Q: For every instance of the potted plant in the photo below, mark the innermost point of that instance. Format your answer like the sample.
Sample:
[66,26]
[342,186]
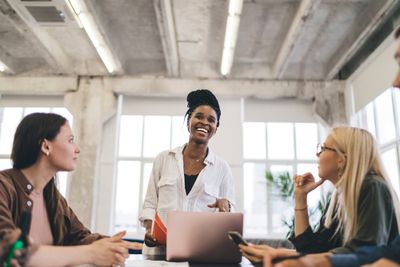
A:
[283,184]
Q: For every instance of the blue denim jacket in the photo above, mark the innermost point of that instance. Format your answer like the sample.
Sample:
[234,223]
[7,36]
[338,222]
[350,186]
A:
[368,254]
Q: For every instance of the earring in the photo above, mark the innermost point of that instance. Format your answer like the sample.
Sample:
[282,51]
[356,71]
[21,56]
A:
[340,171]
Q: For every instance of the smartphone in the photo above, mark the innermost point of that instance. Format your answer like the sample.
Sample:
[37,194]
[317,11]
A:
[237,238]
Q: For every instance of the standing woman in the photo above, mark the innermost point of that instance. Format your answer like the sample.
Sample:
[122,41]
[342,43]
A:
[44,145]
[190,177]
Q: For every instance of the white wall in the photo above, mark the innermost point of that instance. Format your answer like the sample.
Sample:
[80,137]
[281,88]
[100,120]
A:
[282,110]
[375,75]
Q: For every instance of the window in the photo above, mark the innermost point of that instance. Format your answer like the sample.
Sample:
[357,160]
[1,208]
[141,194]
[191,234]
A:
[10,118]
[277,147]
[385,117]
[141,139]
[382,118]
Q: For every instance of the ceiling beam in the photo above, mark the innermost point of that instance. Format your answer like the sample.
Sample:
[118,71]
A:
[9,62]
[306,8]
[55,50]
[351,46]
[26,31]
[171,87]
[166,26]
[263,89]
[48,85]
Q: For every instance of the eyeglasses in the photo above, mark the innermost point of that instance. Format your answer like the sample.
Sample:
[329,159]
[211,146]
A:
[321,148]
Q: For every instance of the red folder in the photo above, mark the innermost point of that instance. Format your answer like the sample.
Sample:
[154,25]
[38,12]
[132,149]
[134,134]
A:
[160,231]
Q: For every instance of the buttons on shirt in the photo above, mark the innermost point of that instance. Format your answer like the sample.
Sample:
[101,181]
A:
[29,186]
[29,203]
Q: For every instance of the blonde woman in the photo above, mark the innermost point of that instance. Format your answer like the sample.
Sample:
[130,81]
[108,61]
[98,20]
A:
[363,210]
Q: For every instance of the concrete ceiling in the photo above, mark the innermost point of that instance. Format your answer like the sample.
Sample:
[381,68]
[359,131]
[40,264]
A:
[272,44]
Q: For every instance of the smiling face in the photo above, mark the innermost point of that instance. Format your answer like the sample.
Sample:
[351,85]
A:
[330,162]
[63,151]
[202,124]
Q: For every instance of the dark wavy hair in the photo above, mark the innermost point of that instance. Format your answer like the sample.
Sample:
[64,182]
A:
[397,33]
[202,97]
[28,138]
[30,133]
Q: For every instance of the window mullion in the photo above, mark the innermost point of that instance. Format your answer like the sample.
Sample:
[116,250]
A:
[140,196]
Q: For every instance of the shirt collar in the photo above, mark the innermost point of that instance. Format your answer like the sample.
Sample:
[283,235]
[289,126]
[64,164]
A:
[22,181]
[209,160]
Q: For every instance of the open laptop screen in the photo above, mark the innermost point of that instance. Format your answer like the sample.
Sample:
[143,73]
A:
[202,236]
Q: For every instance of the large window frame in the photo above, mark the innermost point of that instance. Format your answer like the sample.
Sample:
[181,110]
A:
[143,161]
[270,230]
[54,106]
[141,107]
[363,118]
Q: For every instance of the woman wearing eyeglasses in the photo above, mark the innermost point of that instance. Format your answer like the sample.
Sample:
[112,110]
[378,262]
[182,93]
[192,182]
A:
[363,210]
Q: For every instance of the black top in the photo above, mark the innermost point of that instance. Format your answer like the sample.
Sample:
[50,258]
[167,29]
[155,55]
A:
[377,224]
[189,182]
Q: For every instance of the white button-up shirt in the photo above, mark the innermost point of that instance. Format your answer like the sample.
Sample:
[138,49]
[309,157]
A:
[166,189]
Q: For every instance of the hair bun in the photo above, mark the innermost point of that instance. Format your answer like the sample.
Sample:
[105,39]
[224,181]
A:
[202,97]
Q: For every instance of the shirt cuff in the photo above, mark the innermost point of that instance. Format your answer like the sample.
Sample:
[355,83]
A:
[147,214]
[302,239]
[349,260]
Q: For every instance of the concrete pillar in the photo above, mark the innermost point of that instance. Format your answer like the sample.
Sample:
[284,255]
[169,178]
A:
[330,105]
[90,106]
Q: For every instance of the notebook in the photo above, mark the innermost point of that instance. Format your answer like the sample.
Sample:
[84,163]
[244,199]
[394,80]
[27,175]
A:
[159,231]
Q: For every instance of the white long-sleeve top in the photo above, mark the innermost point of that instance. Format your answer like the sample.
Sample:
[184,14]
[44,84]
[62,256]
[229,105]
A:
[166,189]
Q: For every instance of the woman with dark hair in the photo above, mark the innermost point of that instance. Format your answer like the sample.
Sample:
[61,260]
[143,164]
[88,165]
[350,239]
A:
[43,145]
[190,177]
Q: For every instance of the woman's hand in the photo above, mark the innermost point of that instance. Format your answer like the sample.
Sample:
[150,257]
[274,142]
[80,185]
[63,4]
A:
[304,184]
[383,263]
[109,251]
[222,205]
[20,256]
[312,260]
[260,253]
[149,240]
[133,245]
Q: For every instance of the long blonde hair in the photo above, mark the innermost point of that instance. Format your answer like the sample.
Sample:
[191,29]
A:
[361,155]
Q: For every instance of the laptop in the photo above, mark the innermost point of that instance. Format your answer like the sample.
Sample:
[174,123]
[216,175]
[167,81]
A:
[201,237]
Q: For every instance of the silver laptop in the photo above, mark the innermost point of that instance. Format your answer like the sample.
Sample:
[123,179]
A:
[202,237]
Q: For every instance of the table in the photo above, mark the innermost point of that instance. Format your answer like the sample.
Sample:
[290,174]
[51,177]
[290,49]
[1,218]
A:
[155,261]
